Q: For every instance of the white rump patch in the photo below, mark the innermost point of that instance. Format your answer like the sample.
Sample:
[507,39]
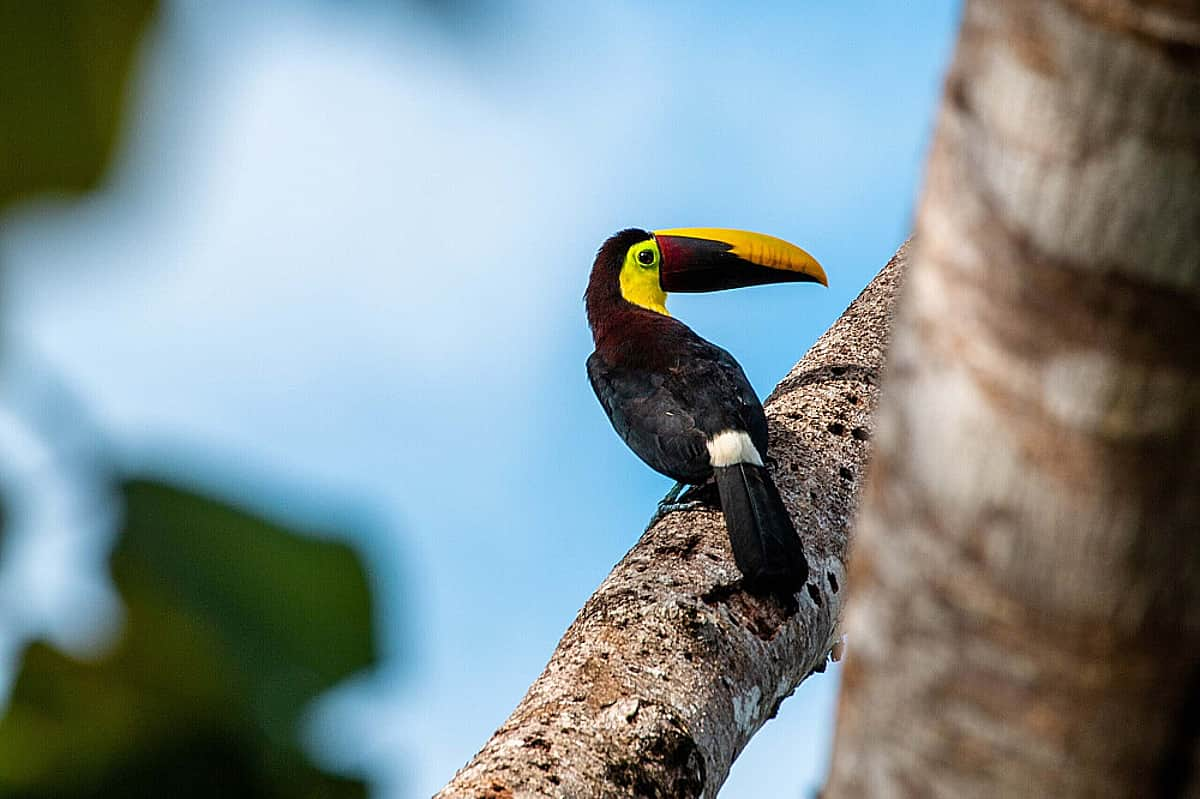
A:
[732,446]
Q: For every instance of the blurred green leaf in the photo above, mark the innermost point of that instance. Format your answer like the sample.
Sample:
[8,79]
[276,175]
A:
[233,624]
[64,66]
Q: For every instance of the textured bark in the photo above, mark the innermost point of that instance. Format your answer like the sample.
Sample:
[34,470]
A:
[671,667]
[1025,588]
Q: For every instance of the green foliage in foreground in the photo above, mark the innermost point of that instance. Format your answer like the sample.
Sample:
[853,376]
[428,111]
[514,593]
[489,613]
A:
[233,624]
[64,67]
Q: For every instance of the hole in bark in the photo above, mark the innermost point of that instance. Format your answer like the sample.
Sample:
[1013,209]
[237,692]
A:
[537,742]
[838,370]
[668,764]
[792,467]
[845,473]
[814,594]
[837,428]
[833,584]
[812,497]
[956,94]
[719,594]
[677,549]
[496,790]
[852,399]
[554,779]
[761,615]
[861,433]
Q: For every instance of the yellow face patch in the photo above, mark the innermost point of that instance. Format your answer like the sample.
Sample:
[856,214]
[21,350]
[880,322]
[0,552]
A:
[639,277]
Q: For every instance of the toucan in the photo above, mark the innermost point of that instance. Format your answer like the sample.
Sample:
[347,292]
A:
[683,404]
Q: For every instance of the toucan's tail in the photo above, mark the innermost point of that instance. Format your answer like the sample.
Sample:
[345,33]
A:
[765,545]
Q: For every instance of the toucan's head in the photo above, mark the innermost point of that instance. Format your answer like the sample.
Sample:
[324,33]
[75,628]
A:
[643,266]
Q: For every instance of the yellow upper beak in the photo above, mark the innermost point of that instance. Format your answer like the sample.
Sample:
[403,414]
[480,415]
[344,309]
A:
[711,259]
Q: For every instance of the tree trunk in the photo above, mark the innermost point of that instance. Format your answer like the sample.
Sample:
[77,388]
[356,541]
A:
[671,667]
[1024,618]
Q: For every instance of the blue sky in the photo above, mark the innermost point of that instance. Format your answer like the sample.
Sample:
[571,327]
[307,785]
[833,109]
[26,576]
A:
[337,274]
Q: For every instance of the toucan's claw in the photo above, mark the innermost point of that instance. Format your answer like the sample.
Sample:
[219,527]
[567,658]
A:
[684,496]
[665,508]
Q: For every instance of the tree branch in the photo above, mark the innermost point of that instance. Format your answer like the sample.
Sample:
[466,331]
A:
[671,667]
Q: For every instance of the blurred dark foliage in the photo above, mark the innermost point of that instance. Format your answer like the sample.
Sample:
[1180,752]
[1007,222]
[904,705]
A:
[232,625]
[64,69]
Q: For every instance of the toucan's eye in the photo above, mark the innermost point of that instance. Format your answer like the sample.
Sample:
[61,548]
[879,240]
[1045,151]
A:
[645,257]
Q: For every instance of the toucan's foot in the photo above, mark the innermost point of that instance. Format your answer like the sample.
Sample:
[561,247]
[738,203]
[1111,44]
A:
[684,496]
[665,508]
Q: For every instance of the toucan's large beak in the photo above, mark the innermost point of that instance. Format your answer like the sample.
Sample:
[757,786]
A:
[712,259]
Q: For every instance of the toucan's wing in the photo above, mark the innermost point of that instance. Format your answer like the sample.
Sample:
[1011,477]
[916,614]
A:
[723,394]
[652,419]
[668,416]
